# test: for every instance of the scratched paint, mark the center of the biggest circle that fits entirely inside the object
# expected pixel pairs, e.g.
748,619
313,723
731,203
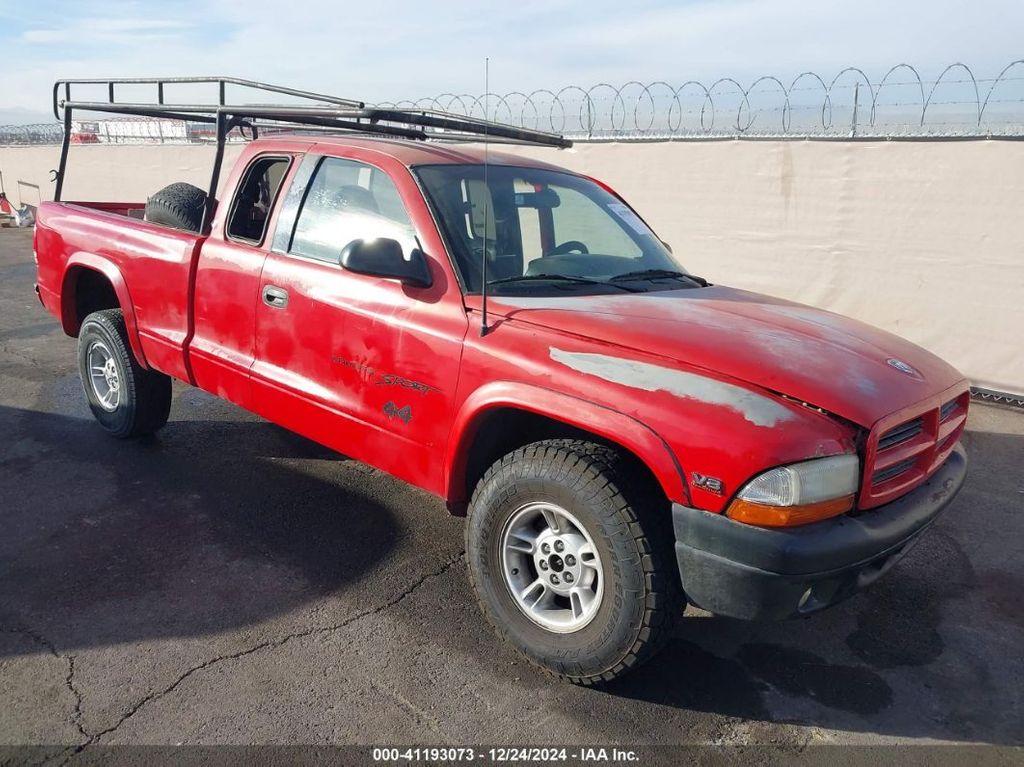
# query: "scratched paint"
860,370
790,349
758,409
793,351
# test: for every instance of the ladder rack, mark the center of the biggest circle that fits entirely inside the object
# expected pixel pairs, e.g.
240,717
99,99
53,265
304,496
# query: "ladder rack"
313,111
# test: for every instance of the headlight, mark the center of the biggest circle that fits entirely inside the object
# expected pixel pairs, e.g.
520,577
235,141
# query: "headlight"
799,493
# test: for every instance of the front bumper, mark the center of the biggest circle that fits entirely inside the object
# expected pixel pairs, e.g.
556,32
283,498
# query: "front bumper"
741,571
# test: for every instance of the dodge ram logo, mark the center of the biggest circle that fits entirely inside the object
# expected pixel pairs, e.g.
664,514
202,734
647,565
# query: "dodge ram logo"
902,366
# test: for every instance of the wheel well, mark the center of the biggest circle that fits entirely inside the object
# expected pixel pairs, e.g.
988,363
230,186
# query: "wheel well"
93,292
506,429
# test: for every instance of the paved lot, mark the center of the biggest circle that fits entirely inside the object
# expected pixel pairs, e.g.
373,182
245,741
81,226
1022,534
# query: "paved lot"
227,582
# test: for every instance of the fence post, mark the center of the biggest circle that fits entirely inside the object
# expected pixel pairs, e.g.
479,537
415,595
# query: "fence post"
853,122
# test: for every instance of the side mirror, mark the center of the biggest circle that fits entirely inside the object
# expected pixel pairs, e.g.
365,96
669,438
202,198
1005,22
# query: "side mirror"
383,257
667,246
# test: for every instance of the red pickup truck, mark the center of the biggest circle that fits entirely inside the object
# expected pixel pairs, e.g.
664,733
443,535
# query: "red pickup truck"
625,437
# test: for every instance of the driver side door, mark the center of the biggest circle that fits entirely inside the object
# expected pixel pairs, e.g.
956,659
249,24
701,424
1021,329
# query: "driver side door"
365,365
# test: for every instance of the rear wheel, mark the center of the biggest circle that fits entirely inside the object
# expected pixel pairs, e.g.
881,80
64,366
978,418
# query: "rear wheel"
571,559
126,399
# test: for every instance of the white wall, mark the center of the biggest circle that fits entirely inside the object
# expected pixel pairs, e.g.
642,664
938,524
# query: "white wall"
925,239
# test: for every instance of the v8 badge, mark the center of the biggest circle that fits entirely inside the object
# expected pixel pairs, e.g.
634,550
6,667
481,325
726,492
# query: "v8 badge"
704,482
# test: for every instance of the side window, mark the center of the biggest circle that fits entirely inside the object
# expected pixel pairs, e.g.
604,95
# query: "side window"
255,197
348,201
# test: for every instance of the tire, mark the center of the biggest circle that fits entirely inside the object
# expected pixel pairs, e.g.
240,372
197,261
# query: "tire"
625,525
139,400
177,205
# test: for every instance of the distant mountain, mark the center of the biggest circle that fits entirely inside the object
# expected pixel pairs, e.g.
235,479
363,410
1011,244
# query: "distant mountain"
21,116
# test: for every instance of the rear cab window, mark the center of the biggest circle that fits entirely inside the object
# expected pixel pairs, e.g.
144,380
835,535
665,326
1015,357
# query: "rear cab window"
254,199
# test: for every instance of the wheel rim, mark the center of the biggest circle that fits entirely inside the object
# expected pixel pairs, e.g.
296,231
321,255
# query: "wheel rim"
103,376
551,567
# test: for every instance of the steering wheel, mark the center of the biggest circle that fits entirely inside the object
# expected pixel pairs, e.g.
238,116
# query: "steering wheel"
569,246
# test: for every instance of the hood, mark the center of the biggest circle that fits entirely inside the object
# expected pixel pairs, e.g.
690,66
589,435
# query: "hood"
846,367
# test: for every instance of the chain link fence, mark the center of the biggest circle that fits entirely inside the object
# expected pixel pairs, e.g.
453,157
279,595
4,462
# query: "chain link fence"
956,104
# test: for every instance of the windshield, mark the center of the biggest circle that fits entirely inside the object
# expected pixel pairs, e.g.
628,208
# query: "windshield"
545,231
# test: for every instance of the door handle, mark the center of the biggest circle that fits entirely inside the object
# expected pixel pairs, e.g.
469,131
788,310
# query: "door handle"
275,297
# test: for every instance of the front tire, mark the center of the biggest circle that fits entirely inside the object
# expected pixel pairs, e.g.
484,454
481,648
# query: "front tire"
568,510
126,399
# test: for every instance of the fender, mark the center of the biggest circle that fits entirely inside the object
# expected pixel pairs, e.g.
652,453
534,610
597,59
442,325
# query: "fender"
81,261
610,424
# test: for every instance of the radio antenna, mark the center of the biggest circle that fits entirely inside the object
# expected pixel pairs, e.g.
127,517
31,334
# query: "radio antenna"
487,206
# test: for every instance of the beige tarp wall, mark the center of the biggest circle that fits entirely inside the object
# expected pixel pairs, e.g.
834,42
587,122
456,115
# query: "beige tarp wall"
925,239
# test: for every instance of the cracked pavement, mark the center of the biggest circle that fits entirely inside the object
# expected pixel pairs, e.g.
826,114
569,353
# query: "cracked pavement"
228,582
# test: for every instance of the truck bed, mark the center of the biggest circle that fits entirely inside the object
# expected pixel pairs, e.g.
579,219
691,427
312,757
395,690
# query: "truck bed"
156,261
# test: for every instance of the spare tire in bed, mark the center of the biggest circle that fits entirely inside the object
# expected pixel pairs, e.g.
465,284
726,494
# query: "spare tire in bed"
178,205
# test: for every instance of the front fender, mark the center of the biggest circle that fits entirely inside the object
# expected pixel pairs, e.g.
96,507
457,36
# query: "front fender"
616,427
76,264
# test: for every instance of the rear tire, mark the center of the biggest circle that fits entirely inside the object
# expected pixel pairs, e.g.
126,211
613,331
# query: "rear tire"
126,399
611,535
178,205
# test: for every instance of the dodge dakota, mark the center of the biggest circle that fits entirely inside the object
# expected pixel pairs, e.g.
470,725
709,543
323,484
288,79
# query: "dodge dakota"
624,437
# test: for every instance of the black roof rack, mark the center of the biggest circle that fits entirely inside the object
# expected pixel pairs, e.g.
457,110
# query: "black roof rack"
312,111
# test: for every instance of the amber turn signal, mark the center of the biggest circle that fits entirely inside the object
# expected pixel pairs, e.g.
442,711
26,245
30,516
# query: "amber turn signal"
763,515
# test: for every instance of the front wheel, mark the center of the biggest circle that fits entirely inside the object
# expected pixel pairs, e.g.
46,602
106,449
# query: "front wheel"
570,556
126,399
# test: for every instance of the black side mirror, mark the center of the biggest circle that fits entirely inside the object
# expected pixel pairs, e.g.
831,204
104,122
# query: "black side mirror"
383,257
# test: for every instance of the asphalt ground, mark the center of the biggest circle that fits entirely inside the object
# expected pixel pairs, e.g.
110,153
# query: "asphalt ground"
226,582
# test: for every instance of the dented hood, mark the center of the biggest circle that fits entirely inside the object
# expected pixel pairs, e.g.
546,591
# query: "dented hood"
844,366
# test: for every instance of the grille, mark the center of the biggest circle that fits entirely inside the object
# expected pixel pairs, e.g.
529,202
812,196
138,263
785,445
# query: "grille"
883,475
900,434
901,456
947,410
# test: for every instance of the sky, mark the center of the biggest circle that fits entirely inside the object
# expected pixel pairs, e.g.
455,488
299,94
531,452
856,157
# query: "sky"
396,49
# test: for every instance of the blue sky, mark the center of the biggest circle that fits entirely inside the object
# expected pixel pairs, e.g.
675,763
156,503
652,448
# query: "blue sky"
393,49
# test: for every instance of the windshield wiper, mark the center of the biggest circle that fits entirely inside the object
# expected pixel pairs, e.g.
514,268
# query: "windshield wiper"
553,278
654,274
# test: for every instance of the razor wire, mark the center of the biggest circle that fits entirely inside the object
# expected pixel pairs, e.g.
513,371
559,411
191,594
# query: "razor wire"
901,103
40,133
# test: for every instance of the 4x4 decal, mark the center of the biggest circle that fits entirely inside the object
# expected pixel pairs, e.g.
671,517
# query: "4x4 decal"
393,411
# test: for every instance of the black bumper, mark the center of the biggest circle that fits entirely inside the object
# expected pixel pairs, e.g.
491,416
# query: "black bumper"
733,569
